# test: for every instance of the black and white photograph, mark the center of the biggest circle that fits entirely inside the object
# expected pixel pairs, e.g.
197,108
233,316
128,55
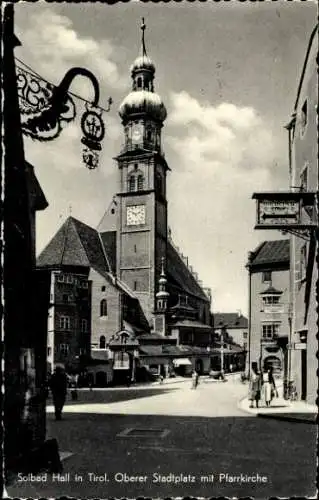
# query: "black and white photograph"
159,249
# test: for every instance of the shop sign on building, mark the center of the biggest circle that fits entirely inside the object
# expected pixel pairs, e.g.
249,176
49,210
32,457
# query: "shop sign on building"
297,346
282,210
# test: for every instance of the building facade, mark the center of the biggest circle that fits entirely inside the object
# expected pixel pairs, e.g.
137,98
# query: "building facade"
25,291
303,155
269,312
237,327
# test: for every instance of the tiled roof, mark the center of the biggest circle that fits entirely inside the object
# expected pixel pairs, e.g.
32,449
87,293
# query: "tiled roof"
189,323
75,244
232,320
179,274
271,252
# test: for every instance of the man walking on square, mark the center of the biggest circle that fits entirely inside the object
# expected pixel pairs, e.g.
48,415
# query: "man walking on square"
58,385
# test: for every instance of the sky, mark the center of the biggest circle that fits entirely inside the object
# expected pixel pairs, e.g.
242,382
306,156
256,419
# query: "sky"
228,75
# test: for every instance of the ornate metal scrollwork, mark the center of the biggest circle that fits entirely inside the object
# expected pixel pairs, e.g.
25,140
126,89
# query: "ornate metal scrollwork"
46,108
39,118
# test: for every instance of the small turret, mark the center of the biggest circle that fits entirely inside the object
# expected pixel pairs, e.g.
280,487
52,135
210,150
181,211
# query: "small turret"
162,295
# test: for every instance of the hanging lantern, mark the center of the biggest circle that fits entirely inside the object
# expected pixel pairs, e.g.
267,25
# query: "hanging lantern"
93,133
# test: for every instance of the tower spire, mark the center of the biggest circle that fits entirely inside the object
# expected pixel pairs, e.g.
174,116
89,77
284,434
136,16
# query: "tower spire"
143,28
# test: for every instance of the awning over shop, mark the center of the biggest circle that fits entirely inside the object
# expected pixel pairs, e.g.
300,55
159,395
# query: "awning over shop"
181,362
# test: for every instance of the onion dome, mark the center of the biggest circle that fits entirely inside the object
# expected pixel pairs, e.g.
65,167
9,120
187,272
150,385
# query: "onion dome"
143,101
143,62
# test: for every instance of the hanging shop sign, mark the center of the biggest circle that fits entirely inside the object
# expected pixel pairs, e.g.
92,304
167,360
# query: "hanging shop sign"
283,210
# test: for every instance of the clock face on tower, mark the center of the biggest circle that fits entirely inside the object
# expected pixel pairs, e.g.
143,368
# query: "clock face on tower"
136,133
135,215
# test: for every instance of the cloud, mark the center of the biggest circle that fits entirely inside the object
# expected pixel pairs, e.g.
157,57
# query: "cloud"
52,46
223,154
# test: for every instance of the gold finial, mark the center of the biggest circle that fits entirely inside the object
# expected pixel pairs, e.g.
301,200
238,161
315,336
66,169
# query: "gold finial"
143,27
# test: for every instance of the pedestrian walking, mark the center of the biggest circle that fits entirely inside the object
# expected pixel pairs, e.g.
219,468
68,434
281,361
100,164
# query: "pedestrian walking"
269,386
74,387
254,387
58,385
194,379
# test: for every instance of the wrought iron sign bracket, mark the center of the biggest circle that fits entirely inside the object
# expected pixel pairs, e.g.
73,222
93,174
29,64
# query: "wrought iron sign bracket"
45,108
290,212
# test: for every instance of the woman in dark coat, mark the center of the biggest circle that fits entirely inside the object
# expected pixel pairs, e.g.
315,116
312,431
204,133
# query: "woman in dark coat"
58,385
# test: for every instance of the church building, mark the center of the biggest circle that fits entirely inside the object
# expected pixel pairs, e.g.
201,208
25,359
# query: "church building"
123,297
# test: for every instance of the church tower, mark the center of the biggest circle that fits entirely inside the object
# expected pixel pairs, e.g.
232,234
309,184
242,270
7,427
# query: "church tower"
142,214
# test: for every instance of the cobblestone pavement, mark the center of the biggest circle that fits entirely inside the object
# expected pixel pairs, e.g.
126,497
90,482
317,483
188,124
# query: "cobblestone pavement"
175,441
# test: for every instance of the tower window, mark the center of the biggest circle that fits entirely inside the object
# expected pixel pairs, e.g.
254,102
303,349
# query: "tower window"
135,285
131,183
139,82
103,307
102,342
140,182
136,182
149,135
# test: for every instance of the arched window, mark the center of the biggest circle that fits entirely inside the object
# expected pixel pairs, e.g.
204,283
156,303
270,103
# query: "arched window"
102,342
140,182
103,307
136,182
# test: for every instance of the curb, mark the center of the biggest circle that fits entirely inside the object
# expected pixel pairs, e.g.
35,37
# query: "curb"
288,418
